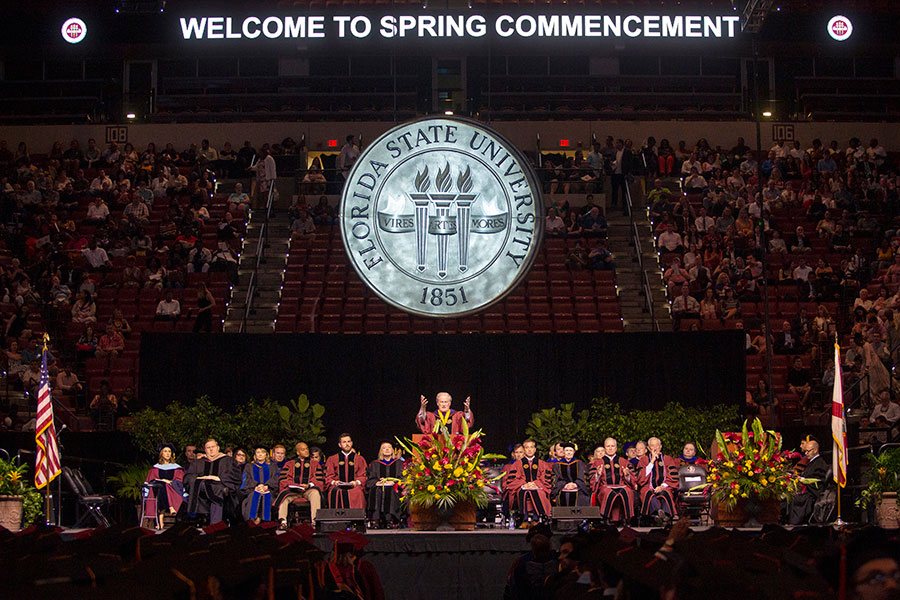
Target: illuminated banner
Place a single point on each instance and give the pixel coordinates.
(443, 26)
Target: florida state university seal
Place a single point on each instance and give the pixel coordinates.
(441, 217)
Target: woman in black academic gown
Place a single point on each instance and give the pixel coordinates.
(383, 500)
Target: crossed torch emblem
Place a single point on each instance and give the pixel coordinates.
(443, 223)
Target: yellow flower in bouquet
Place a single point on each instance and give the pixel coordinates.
(448, 466)
(431, 488)
(458, 471)
(436, 466)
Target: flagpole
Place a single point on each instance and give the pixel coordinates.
(46, 487)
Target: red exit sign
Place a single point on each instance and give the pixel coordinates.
(563, 143)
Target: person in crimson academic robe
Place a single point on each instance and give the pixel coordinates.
(444, 416)
(506, 496)
(301, 478)
(383, 507)
(530, 484)
(164, 486)
(570, 482)
(613, 484)
(210, 481)
(345, 473)
(657, 481)
(259, 482)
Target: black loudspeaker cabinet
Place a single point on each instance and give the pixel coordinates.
(339, 519)
(568, 518)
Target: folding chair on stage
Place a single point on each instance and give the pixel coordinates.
(692, 503)
(93, 503)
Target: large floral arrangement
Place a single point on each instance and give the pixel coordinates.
(751, 465)
(444, 470)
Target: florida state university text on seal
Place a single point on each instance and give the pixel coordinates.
(441, 217)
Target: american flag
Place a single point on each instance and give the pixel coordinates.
(46, 467)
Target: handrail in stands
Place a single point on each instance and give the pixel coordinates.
(636, 240)
(260, 249)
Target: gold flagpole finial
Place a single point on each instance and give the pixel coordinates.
(46, 340)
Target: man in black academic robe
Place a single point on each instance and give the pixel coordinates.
(209, 481)
(801, 507)
(570, 482)
(383, 501)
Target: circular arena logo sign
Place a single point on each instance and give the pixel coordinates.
(441, 217)
(74, 30)
(840, 28)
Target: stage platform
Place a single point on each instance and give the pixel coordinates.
(440, 565)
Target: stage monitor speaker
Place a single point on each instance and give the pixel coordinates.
(569, 518)
(339, 519)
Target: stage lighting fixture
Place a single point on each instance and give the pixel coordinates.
(140, 7)
(767, 113)
(449, 113)
(130, 116)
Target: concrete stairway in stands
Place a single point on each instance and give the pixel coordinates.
(269, 279)
(628, 271)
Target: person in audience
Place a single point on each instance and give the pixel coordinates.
(383, 508)
(600, 258)
(670, 240)
(210, 480)
(303, 227)
(260, 479)
(571, 485)
(87, 343)
(799, 381)
(444, 417)
(886, 413)
(345, 473)
(67, 382)
(163, 488)
(97, 259)
(301, 479)
(119, 321)
(658, 482)
(111, 344)
(786, 342)
(84, 311)
(613, 484)
(685, 306)
(205, 305)
(104, 406)
(709, 306)
(168, 309)
(530, 484)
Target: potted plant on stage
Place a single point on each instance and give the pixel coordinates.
(750, 477)
(884, 484)
(443, 482)
(19, 502)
